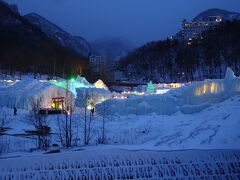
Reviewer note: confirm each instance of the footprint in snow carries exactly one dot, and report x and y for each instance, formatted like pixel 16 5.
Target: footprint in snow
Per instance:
pixel 226 117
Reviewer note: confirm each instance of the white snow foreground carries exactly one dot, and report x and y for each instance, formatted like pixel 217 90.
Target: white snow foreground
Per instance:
pixel 24 93
pixel 216 127
pixel 123 164
pixel 187 99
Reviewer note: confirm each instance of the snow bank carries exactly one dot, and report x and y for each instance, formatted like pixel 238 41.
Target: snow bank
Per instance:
pixel 23 93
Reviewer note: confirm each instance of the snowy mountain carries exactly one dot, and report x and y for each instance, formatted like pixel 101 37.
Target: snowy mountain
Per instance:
pixel 113 48
pixel 76 43
pixel 24 47
pixel 226 15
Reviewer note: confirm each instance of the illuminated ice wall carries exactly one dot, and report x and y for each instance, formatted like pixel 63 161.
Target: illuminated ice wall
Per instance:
pixel 186 99
pixel 212 91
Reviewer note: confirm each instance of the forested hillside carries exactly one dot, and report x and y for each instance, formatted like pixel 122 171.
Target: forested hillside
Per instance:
pixel 25 48
pixel 172 60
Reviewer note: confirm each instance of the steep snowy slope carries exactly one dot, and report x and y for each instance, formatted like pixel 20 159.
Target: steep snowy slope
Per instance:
pixel 25 48
pixel 75 43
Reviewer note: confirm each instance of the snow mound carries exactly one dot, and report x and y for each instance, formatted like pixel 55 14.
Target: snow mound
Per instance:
pixel 24 93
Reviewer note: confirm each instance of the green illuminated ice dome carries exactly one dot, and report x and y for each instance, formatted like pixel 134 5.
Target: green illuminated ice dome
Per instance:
pixel 73 84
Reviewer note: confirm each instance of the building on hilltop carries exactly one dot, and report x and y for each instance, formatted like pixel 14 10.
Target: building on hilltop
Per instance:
pixel 195 29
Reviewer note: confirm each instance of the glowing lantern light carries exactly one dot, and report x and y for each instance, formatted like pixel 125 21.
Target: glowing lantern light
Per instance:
pixel 68 113
pixel 213 88
pixel 89 107
pixel 72 80
pixel 53 105
pixel 205 88
pixel 90 104
pixel 198 92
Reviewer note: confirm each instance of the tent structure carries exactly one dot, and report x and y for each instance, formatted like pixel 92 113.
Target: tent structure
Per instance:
pixel 24 93
pixel 100 84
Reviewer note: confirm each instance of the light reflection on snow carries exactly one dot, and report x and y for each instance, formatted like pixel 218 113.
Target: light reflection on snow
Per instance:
pixel 162 91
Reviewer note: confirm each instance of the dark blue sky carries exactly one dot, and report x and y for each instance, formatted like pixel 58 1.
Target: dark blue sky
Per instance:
pixel 139 21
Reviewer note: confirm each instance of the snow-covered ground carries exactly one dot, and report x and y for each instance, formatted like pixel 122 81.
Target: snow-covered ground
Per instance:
pixel 123 164
pixel 216 127
pixel 202 116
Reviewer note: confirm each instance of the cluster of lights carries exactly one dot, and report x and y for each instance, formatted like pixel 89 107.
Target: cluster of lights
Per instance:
pixel 133 92
pixel 209 88
pixel 11 81
pixel 160 89
pixel 171 85
pixel 119 97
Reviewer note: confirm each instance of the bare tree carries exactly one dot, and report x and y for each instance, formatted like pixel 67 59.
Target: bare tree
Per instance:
pixel 5 120
pixel 39 121
pixel 104 113
pixel 65 122
pixel 87 104
pixel 89 110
